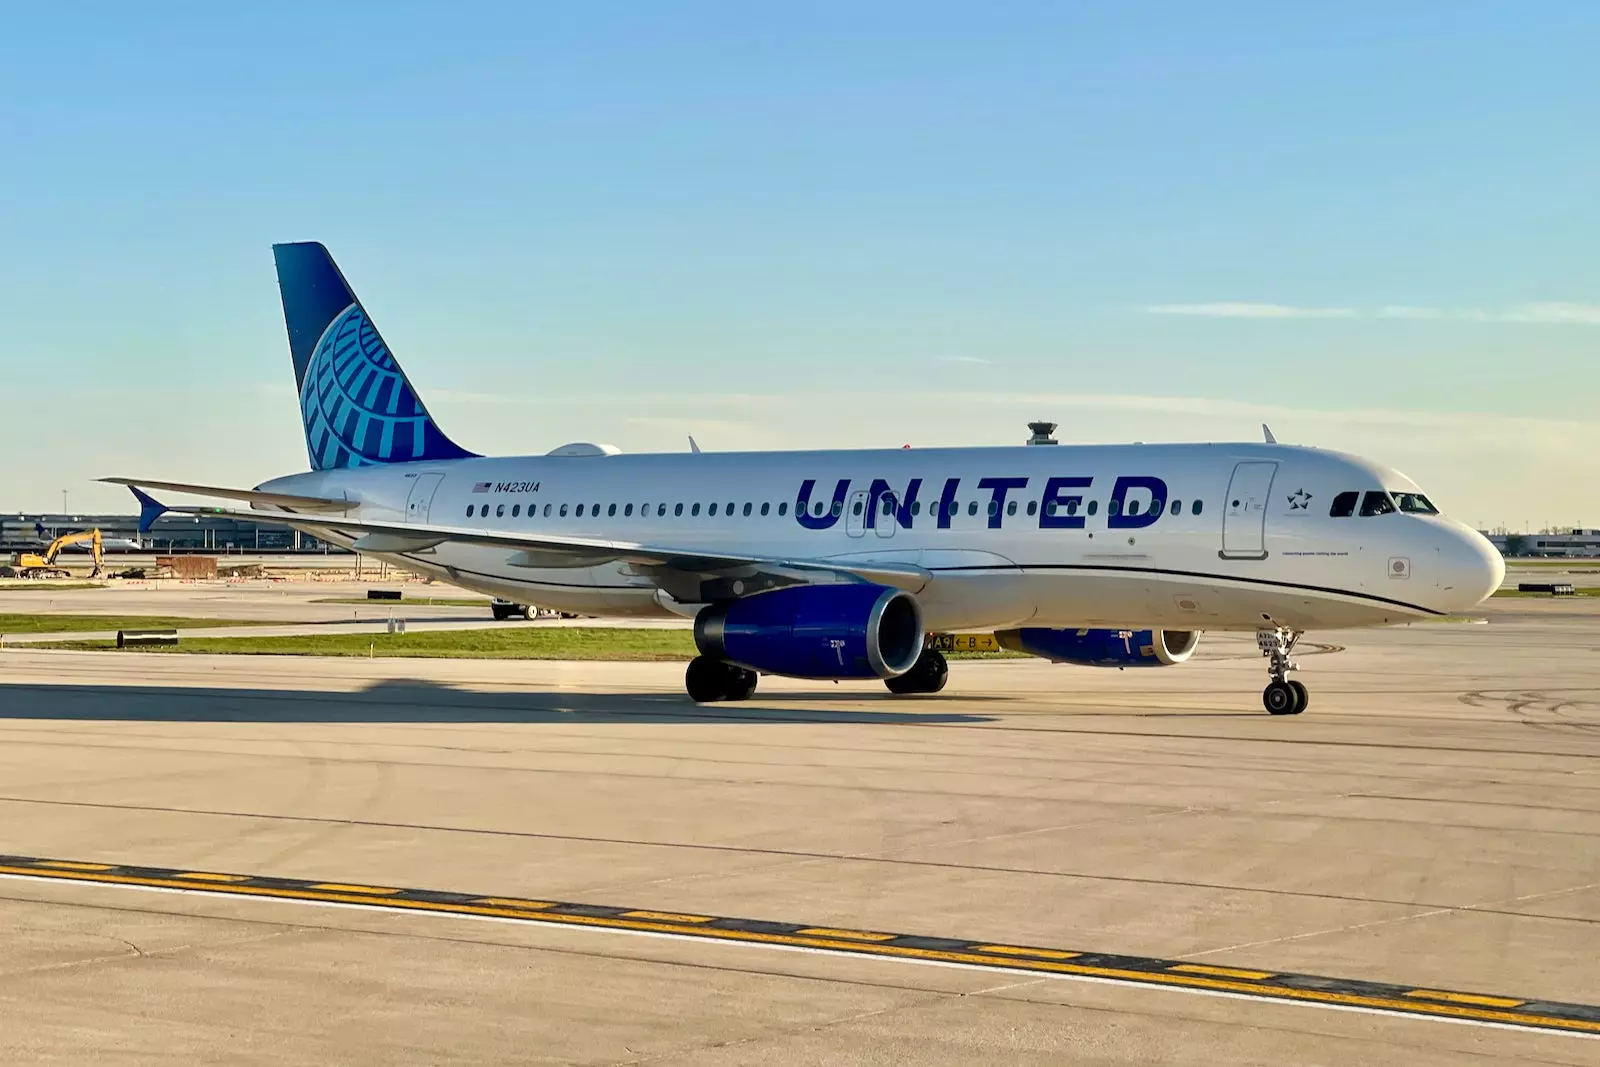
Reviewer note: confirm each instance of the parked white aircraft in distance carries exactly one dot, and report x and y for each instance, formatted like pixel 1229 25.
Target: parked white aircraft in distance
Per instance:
pixel 837 564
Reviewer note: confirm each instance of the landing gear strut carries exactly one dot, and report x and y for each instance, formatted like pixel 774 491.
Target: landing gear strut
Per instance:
pixel 927 675
pixel 709 680
pixel 1282 696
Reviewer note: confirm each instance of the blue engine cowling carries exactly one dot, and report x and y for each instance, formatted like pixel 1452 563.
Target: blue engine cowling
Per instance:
pixel 1103 648
pixel 816 631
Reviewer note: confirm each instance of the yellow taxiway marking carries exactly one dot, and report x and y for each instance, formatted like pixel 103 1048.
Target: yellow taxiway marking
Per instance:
pixel 1041 953
pixel 1220 972
pixel 340 887
pixel 513 902
pixel 667 916
pixel 207 876
pixel 1581 1019
pixel 848 935
pixel 1467 998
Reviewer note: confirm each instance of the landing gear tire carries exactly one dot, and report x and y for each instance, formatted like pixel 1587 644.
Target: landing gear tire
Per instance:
pixel 928 675
pixel 711 680
pixel 1280 698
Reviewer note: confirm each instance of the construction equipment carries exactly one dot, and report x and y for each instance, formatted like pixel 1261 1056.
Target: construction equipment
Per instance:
pixel 29 565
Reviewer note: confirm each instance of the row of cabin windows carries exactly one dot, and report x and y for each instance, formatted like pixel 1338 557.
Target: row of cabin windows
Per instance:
pixel 560 511
pixel 1378 502
pixel 1156 507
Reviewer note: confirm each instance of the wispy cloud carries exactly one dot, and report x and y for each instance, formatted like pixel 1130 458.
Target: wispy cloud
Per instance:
pixel 1547 313
pixel 1249 311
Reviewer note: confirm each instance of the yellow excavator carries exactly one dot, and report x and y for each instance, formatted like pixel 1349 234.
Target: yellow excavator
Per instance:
pixel 29 565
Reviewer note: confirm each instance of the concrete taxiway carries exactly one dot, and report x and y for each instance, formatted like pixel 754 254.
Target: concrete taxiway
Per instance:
pixel 1430 827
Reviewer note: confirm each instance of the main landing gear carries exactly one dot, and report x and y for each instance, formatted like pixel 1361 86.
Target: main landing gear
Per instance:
pixel 927 675
pixel 1282 696
pixel 710 680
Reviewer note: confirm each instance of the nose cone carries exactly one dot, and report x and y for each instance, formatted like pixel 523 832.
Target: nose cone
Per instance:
pixel 1470 569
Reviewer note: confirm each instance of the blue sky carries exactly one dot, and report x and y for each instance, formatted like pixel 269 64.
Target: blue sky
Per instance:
pixel 801 225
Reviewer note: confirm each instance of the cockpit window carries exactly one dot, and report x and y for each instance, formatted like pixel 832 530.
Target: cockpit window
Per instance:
pixel 1344 505
pixel 1415 504
pixel 1376 502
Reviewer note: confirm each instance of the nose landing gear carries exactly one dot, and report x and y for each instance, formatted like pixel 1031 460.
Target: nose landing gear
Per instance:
pixel 1282 696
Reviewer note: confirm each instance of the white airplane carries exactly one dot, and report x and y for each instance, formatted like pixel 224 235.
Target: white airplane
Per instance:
pixel 837 564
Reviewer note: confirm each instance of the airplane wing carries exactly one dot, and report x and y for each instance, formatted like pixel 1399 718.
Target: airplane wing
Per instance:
pixel 540 550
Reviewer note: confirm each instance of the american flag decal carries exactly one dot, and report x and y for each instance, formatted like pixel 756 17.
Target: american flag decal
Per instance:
pixel 482 487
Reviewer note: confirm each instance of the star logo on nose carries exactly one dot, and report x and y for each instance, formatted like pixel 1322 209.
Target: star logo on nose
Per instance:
pixel 1299 500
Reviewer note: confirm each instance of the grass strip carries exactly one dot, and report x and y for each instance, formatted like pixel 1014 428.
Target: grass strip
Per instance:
pixel 437 601
pixel 51 624
pixel 523 642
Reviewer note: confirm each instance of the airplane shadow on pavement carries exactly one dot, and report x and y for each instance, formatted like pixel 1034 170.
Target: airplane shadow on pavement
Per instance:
pixel 419 701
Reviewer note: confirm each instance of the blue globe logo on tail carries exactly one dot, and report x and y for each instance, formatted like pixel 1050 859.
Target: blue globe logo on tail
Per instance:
pixel 357 407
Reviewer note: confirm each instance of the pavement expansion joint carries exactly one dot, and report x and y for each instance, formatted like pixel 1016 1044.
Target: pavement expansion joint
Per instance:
pixel 1279 986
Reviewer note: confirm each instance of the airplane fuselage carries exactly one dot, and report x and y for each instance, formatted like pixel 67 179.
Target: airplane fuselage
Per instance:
pixel 1185 536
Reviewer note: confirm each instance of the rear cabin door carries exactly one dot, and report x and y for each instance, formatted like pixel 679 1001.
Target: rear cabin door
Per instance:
pixel 420 503
pixel 1244 523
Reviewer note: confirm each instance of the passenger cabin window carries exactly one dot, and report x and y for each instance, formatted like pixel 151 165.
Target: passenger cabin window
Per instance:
pixel 1194 508
pixel 516 510
pixel 712 509
pixel 579 512
pixel 1376 502
pixel 1414 504
pixel 695 510
pixel 469 511
pixel 1344 505
pixel 1177 507
pixel 1094 506
pixel 1033 507
pixel 783 509
pixel 563 511
pixel 747 511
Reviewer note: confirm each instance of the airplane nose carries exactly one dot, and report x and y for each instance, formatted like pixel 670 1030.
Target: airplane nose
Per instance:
pixel 1471 569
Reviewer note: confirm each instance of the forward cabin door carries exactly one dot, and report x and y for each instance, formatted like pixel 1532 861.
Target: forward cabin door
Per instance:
pixel 420 503
pixel 885 521
pixel 855 519
pixel 1244 523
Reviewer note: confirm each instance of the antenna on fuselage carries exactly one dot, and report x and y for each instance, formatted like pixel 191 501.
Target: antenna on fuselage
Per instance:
pixel 1266 432
pixel 693 446
pixel 1041 433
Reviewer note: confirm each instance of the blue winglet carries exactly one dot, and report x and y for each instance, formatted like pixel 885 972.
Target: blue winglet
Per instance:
pixel 150 509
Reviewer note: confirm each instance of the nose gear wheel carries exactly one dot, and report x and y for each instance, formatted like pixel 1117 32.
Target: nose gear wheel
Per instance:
pixel 1282 696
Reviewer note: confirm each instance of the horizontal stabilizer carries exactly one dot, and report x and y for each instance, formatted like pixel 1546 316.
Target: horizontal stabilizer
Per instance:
pixel 257 498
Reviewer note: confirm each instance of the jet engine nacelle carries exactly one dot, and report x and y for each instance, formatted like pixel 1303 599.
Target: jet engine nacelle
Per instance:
pixel 816 631
pixel 1103 648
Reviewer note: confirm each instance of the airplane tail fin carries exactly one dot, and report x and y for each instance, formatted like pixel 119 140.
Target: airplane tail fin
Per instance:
pixel 356 404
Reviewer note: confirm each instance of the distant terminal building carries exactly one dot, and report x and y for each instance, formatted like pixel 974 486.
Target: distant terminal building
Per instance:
pixel 1576 543
pixel 21 531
